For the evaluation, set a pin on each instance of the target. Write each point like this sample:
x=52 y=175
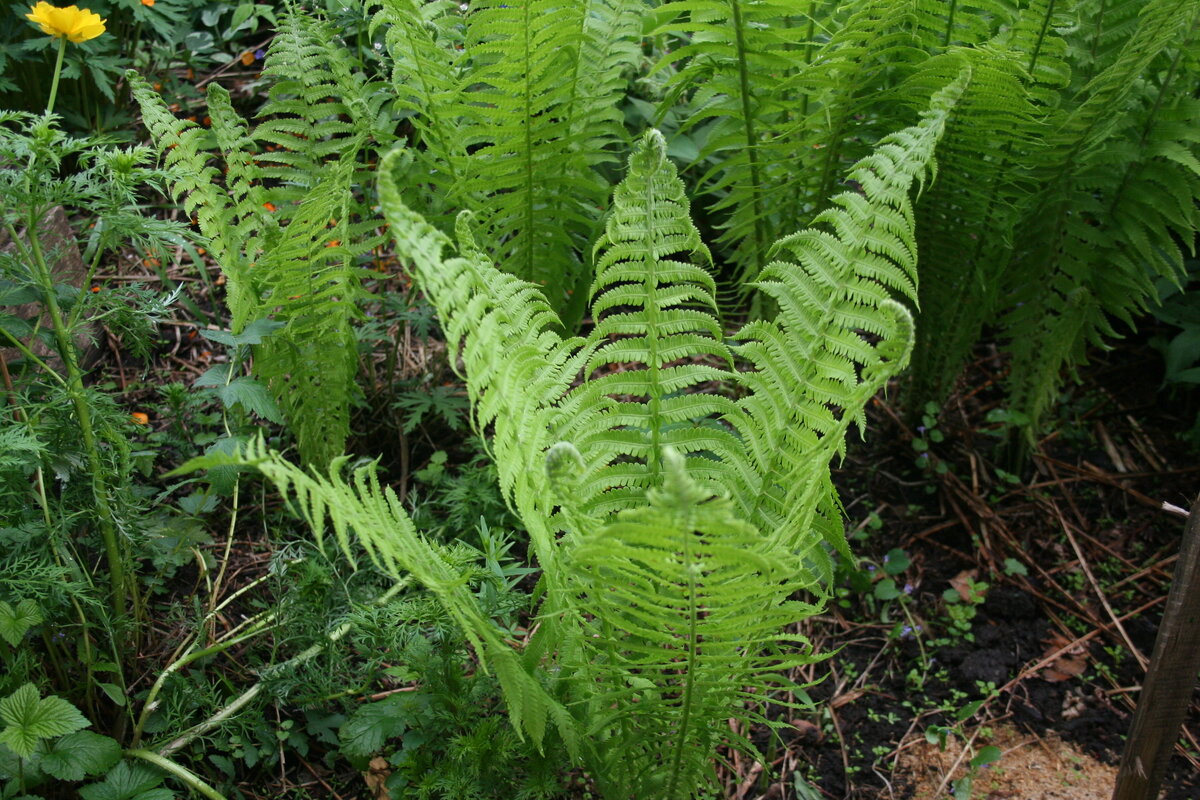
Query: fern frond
x=1114 y=201
x=655 y=317
x=516 y=363
x=691 y=614
x=739 y=56
x=383 y=528
x=838 y=335
x=318 y=107
x=313 y=288
x=420 y=39
x=293 y=219
x=537 y=185
x=197 y=183
x=965 y=220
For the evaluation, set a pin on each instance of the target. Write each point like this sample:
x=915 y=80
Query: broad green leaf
x=253 y=333
x=15 y=622
x=252 y=396
x=114 y=692
x=79 y=754
x=29 y=719
x=127 y=781
x=986 y=755
x=369 y=727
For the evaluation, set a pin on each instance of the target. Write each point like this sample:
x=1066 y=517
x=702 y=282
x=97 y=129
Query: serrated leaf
x=79 y=754
x=214 y=376
x=125 y=782
x=369 y=727
x=29 y=719
x=15 y=622
x=252 y=396
x=156 y=794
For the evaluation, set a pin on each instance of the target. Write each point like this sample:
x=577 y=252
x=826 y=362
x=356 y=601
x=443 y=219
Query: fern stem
x=760 y=237
x=950 y=23
x=1098 y=28
x=1037 y=47
x=527 y=153
x=682 y=740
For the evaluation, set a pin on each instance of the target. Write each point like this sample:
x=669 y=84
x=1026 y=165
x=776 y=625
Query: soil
x=1041 y=672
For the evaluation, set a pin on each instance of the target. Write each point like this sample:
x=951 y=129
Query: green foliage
x=16 y=622
x=515 y=108
x=785 y=96
x=1079 y=197
x=29 y=719
x=672 y=525
x=291 y=221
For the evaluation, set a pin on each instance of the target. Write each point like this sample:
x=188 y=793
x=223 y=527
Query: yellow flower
x=76 y=24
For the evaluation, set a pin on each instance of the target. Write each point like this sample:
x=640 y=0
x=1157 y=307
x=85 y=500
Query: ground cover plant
x=560 y=315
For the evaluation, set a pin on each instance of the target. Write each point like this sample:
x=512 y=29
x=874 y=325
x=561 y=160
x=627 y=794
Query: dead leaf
x=1069 y=664
x=807 y=732
x=376 y=778
x=963 y=583
x=844 y=698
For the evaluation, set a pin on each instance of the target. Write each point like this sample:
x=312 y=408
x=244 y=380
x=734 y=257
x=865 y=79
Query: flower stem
x=75 y=391
x=62 y=50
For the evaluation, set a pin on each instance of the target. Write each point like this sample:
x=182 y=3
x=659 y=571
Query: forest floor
x=1021 y=610
x=1076 y=555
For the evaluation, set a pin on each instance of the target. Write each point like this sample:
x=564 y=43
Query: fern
x=992 y=129
x=1119 y=190
x=292 y=218
x=794 y=93
x=672 y=525
x=515 y=126
x=1070 y=181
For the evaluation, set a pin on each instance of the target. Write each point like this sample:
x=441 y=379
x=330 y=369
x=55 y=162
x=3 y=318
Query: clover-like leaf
x=15 y=622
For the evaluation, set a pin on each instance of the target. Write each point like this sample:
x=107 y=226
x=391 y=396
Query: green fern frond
x=422 y=41
x=739 y=56
x=384 y=530
x=990 y=132
x=292 y=219
x=1118 y=191
x=536 y=184
x=691 y=617
x=814 y=370
x=318 y=107
x=655 y=317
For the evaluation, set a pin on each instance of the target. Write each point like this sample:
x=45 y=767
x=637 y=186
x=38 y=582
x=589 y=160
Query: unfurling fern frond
x=292 y=219
x=656 y=339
